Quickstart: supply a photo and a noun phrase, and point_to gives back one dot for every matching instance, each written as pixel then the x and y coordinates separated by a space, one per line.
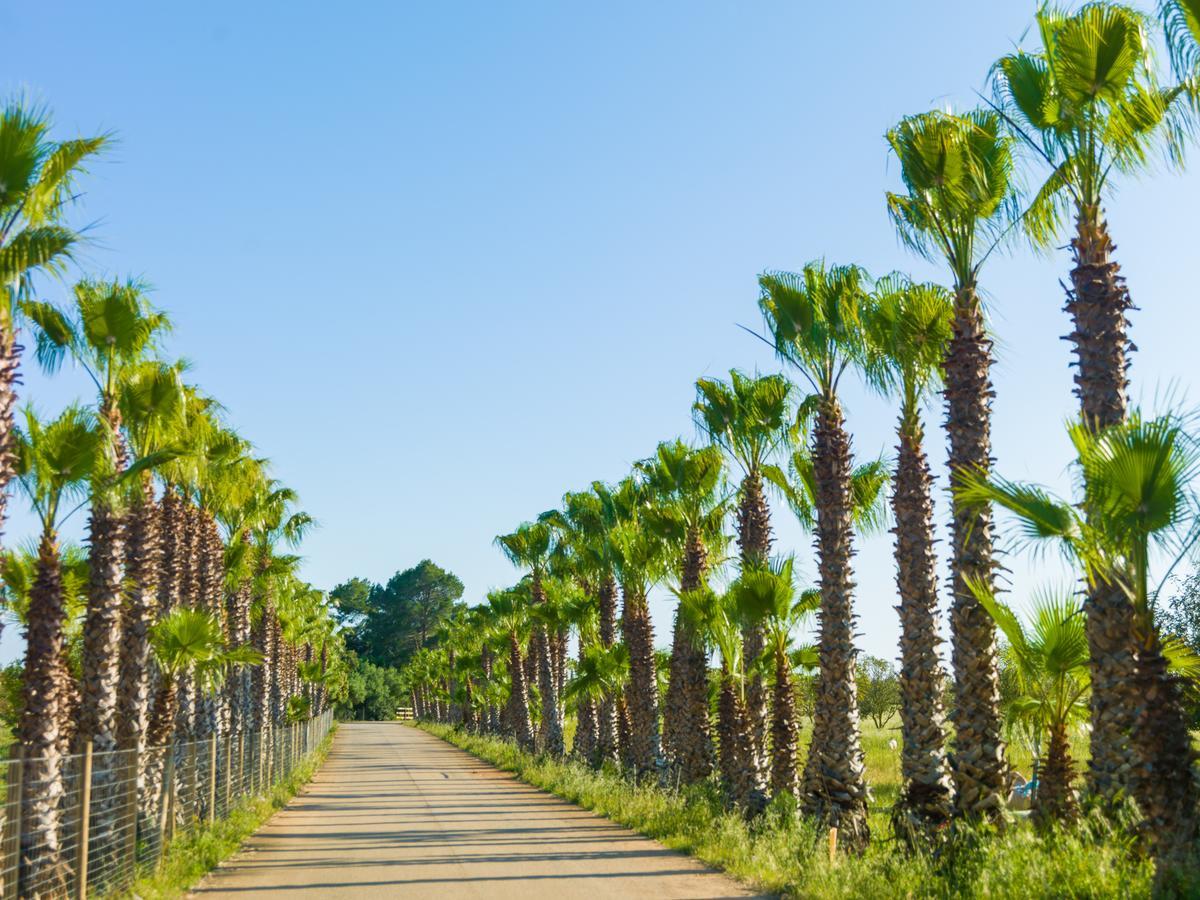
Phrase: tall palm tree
pixel 908 327
pixel 688 510
pixel 510 611
pixel 769 595
pixel 1049 657
pixel 594 515
pixel 108 332
pixel 814 321
pixel 639 562
pixel 150 398
pixel 958 206
pixel 1136 484
pixel 530 547
pixel 749 418
pixel 716 617
pixel 54 462
pixel 37 186
pixel 1089 105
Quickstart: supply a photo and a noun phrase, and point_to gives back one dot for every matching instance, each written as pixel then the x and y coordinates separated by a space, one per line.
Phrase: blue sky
pixel 442 262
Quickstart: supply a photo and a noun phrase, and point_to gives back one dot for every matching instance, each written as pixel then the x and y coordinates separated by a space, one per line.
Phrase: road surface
pixel 396 812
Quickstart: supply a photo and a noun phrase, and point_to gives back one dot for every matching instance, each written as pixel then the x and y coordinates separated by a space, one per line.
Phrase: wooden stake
pixel 833 845
pixel 85 821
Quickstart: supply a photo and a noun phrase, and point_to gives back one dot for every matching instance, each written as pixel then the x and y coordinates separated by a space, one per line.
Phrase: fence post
pixel 228 771
pixel 85 821
pixel 12 827
pixel 168 824
pixel 212 779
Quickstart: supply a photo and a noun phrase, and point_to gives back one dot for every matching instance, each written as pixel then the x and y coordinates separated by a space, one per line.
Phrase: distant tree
pixel 393 621
pixel 878 690
pixel 373 692
pixel 1181 616
pixel 352 601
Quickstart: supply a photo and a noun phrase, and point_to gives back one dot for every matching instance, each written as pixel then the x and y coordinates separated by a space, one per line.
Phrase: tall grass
pixel 783 853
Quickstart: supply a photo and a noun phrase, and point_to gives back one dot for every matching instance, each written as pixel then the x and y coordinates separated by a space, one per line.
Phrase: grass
pixel 783 853
pixel 191 856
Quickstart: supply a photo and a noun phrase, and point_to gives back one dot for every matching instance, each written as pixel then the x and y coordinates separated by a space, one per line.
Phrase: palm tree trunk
pixel 925 794
pixel 1097 305
pixel 1054 800
pixel 607 744
pixel 978 764
pixel 624 732
pixel 41 860
pixel 550 733
pixel 1164 782
pixel 687 732
pixel 785 731
pixel 835 789
pixel 745 790
pixel 101 669
pixel 142 560
pixel 518 699
pixel 642 693
pixel 754 543
pixel 10 358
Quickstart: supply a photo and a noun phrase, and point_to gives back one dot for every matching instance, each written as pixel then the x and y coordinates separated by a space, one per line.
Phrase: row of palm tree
pixel 1084 106
pixel 148 637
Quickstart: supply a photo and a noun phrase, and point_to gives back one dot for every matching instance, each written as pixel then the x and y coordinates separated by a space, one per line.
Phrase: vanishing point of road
pixel 396 812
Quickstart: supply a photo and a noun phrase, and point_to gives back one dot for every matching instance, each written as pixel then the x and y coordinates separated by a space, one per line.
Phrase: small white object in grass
pixel 892 745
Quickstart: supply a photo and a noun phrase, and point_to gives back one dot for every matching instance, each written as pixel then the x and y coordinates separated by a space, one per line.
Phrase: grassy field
pixel 782 853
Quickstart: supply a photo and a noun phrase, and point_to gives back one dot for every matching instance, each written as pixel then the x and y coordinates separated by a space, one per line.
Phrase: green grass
pixel 191 856
pixel 783 853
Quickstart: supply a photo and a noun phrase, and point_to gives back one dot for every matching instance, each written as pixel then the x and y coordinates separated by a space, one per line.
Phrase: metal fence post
pixel 212 779
pixel 228 771
pixel 12 825
pixel 85 821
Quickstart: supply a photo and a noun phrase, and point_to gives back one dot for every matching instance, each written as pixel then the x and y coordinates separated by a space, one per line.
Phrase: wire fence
pixel 89 824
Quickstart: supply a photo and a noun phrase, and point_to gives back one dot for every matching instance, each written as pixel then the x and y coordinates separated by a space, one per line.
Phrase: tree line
pixel 184 616
pixel 1083 106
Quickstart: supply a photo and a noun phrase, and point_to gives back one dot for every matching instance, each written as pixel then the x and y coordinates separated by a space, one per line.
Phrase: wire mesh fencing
pixel 89 824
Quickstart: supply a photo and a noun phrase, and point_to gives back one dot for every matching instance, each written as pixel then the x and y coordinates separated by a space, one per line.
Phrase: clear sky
pixel 443 261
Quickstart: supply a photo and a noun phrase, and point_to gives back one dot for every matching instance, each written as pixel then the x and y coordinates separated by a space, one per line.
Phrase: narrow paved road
pixel 395 812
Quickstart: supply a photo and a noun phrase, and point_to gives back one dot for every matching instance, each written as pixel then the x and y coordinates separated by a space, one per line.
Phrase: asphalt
pixel 397 812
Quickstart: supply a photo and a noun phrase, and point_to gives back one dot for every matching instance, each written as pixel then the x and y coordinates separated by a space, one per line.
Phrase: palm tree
pixel 1181 22
pixel 769 595
pixel 959 204
pixel 748 417
pixel 187 642
pixel 1089 105
pixel 1049 657
pixel 108 333
pixel 1136 487
pixel 688 511
pixel 908 326
pixel 530 547
pixel 54 462
pixel 716 618
pixel 510 610
pixel 150 398
pixel 602 672
pixel 592 516
pixel 37 185
pixel 639 562
pixel 814 320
